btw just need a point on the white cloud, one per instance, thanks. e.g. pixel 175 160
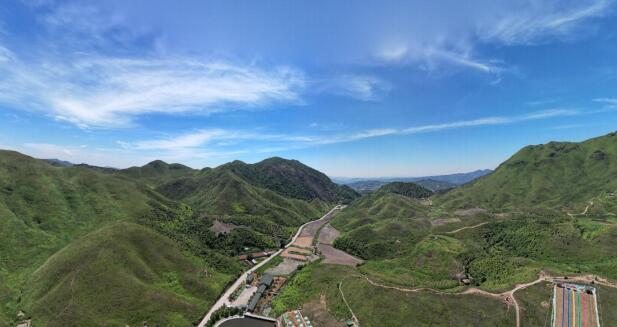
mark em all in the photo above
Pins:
pixel 360 87
pixel 452 38
pixel 431 57
pixel 608 101
pixel 5 54
pixel 537 20
pixel 111 92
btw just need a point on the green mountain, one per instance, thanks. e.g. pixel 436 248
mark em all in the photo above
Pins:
pixel 557 174
pixel 411 190
pixel 292 179
pixel 84 245
pixel 435 185
pixel 272 197
pixel 123 274
pixel 382 223
pixel 158 172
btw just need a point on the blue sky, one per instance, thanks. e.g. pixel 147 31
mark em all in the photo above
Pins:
pixel 352 88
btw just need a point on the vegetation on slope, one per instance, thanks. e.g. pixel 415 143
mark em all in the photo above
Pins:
pixel 43 208
pixel 557 174
pixel 411 190
pixel 224 195
pixel 158 172
pixel 368 186
pixel 46 207
pixel 395 235
pixel 375 306
pixel 290 178
pixel 124 274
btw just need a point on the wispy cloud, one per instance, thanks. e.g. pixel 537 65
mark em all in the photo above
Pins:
pixel 431 57
pixel 437 60
pixel 111 92
pixel 534 22
pixel 607 101
pixel 360 87
pixel 208 142
pixel 456 42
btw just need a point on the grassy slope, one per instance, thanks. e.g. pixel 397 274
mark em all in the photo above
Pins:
pixel 158 172
pixel 137 276
pixel 376 306
pixel 43 208
pixel 556 174
pixel 292 179
pixel 221 193
pixel 394 234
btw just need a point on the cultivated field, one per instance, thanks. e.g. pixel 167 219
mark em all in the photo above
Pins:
pixel 574 306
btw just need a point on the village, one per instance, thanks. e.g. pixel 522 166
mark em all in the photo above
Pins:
pixel 255 294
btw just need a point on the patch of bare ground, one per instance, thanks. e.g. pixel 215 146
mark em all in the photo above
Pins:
pixel 219 227
pixel 318 312
pixel 443 221
pixel 285 268
pixel 335 256
pixel 469 212
pixel 328 234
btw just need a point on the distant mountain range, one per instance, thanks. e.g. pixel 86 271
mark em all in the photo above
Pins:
pixel 434 183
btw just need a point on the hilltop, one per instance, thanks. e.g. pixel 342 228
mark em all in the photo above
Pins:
pixel 91 227
pixel 556 174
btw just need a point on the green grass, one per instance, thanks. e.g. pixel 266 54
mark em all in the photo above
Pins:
pixel 377 307
pixel 607 302
pixel 535 302
pixel 46 208
pixel 122 274
pixel 557 174
pixel 432 263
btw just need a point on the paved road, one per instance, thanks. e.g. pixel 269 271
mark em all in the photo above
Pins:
pixel 223 299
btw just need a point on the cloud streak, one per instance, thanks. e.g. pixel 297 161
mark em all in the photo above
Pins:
pixel 111 92
pixel 536 21
pixel 454 41
pixel 207 142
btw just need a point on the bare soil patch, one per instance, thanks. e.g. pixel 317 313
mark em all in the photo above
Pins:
pixel 304 241
pixel 220 227
pixel 443 221
pixel 469 212
pixel 328 234
pixel 335 256
pixel 285 268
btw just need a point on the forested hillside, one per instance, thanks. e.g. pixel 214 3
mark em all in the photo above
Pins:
pixel 114 247
pixel 557 174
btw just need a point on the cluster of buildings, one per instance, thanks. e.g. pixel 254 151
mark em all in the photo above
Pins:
pixel 251 259
pixel 264 283
pixel 294 319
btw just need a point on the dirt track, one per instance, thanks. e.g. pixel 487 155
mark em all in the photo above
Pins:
pixel 508 296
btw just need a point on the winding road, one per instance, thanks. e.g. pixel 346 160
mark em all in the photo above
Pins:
pixel 223 300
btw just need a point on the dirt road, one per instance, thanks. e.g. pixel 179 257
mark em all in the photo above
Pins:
pixel 507 296
pixel 467 227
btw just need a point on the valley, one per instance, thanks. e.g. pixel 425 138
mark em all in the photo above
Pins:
pixel 168 245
